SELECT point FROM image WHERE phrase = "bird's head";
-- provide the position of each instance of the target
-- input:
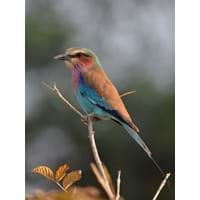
(81, 57)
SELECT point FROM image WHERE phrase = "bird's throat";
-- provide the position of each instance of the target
(76, 75)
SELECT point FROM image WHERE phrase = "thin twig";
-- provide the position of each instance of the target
(163, 183)
(127, 93)
(118, 185)
(57, 92)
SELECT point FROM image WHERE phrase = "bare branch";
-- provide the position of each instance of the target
(99, 170)
(118, 185)
(127, 93)
(58, 93)
(98, 176)
(163, 183)
(97, 158)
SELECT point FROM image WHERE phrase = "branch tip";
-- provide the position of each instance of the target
(118, 184)
(162, 185)
(128, 93)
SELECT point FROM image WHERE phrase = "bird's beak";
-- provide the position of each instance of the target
(62, 57)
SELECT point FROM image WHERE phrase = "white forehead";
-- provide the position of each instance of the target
(75, 51)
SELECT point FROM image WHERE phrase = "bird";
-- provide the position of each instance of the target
(97, 95)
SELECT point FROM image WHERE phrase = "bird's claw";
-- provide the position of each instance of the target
(86, 118)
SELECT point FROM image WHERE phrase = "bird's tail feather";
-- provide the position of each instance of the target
(139, 140)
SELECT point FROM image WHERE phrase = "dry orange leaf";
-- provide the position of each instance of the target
(44, 171)
(60, 172)
(71, 178)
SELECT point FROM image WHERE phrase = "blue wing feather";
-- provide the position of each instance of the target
(92, 102)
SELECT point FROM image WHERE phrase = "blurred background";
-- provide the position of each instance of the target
(134, 40)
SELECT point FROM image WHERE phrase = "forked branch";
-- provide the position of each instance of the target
(98, 168)
(98, 160)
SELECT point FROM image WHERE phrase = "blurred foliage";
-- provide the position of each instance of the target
(75, 193)
(55, 134)
(43, 35)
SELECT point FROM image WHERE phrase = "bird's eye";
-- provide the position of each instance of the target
(79, 54)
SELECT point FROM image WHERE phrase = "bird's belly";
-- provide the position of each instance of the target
(89, 107)
(84, 103)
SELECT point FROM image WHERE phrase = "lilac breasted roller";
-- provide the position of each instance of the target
(96, 93)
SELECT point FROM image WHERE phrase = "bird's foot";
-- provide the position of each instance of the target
(87, 117)
(90, 116)
(84, 120)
